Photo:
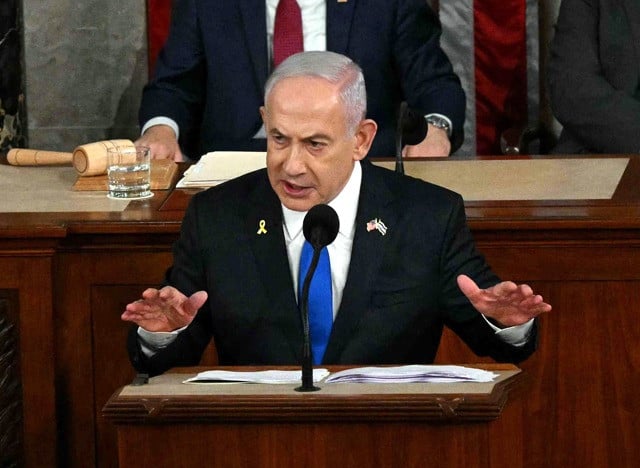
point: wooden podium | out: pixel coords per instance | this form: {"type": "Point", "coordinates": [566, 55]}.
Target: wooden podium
{"type": "Point", "coordinates": [166, 423]}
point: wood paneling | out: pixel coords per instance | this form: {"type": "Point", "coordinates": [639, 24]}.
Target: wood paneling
{"type": "Point", "coordinates": [280, 429]}
{"type": "Point", "coordinates": [25, 278]}
{"type": "Point", "coordinates": [92, 360]}
{"type": "Point", "coordinates": [10, 389]}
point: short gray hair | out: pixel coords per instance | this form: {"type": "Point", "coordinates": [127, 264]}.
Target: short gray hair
{"type": "Point", "coordinates": [334, 68]}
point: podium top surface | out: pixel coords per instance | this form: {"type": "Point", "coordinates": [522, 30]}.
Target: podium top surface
{"type": "Point", "coordinates": [170, 385]}
{"type": "Point", "coordinates": [165, 399]}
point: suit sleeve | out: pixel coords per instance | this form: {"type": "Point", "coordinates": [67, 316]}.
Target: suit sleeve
{"type": "Point", "coordinates": [177, 88]}
{"type": "Point", "coordinates": [426, 74]}
{"type": "Point", "coordinates": [603, 116]}
{"type": "Point", "coordinates": [188, 276]}
{"type": "Point", "coordinates": [460, 256]}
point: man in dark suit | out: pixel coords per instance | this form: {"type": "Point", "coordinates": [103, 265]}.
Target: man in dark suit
{"type": "Point", "coordinates": [403, 264]}
{"type": "Point", "coordinates": [594, 76]}
{"type": "Point", "coordinates": [210, 75]}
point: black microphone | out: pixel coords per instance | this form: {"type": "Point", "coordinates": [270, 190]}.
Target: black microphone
{"type": "Point", "coordinates": [411, 129]}
{"type": "Point", "coordinates": [320, 228]}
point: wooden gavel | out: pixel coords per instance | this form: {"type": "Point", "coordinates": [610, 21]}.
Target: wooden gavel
{"type": "Point", "coordinates": [88, 160]}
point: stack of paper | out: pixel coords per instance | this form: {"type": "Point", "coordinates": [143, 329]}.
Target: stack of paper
{"type": "Point", "coordinates": [411, 374]}
{"type": "Point", "coordinates": [220, 166]}
{"type": "Point", "coordinates": [399, 374]}
{"type": "Point", "coordinates": [267, 376]}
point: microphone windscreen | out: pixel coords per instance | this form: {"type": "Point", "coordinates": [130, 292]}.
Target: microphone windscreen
{"type": "Point", "coordinates": [320, 226]}
{"type": "Point", "coordinates": [414, 127]}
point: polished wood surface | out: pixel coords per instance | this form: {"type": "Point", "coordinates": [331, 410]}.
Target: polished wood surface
{"type": "Point", "coordinates": [167, 399]}
{"type": "Point", "coordinates": [67, 277]}
{"type": "Point", "coordinates": [391, 426]}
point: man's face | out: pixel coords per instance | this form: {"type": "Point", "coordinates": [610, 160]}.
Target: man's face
{"type": "Point", "coordinates": [310, 154]}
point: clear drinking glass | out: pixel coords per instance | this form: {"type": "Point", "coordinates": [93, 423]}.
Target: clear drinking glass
{"type": "Point", "coordinates": [129, 172]}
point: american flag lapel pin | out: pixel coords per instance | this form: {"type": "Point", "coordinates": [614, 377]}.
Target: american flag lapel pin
{"type": "Point", "coordinates": [376, 224]}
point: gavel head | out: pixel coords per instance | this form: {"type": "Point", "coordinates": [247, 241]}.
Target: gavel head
{"type": "Point", "coordinates": [91, 159]}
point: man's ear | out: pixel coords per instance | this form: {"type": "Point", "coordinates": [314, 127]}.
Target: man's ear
{"type": "Point", "coordinates": [263, 114]}
{"type": "Point", "coordinates": [363, 138]}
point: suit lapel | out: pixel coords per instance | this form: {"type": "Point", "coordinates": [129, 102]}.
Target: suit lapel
{"type": "Point", "coordinates": [253, 13]}
{"type": "Point", "coordinates": [272, 262]}
{"type": "Point", "coordinates": [339, 20]}
{"type": "Point", "coordinates": [366, 257]}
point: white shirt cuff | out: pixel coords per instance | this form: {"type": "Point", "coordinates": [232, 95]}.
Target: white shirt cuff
{"type": "Point", "coordinates": [516, 336]}
{"type": "Point", "coordinates": [161, 121]}
{"type": "Point", "coordinates": [152, 342]}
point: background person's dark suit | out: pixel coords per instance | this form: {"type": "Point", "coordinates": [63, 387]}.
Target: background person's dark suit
{"type": "Point", "coordinates": [400, 291]}
{"type": "Point", "coordinates": [214, 65]}
{"type": "Point", "coordinates": [594, 76]}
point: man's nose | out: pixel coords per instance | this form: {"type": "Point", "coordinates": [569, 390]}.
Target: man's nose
{"type": "Point", "coordinates": [295, 163]}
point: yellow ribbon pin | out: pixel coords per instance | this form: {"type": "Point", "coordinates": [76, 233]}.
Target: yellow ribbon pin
{"type": "Point", "coordinates": [261, 225]}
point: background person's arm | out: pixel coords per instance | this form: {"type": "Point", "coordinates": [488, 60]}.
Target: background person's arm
{"type": "Point", "coordinates": [428, 81]}
{"type": "Point", "coordinates": [177, 89]}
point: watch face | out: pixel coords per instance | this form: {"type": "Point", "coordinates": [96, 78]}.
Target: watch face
{"type": "Point", "coordinates": [439, 123]}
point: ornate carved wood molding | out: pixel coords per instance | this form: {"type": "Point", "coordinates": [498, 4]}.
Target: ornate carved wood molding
{"type": "Point", "coordinates": [10, 394]}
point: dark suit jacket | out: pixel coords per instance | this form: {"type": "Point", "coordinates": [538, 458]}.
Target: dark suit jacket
{"type": "Point", "coordinates": [214, 66]}
{"type": "Point", "coordinates": [400, 291]}
{"type": "Point", "coordinates": [594, 76]}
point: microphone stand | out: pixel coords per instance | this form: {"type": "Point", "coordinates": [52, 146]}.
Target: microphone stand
{"type": "Point", "coordinates": [399, 131]}
{"type": "Point", "coordinates": [307, 362]}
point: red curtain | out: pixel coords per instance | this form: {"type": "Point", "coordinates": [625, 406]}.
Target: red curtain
{"type": "Point", "coordinates": [158, 20]}
{"type": "Point", "coordinates": [500, 37]}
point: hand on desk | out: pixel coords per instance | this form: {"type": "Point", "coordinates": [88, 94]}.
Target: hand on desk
{"type": "Point", "coordinates": [436, 144]}
{"type": "Point", "coordinates": [164, 310]}
{"type": "Point", "coordinates": [161, 139]}
{"type": "Point", "coordinates": [507, 303]}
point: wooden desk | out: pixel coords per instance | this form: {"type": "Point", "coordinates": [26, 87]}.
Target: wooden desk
{"type": "Point", "coordinates": [345, 425]}
{"type": "Point", "coordinates": [67, 276]}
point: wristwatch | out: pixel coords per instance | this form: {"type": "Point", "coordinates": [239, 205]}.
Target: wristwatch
{"type": "Point", "coordinates": [439, 122]}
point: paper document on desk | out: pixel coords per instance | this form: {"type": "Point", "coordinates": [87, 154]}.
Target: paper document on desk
{"type": "Point", "coordinates": [412, 374]}
{"type": "Point", "coordinates": [219, 166]}
{"type": "Point", "coordinates": [265, 377]}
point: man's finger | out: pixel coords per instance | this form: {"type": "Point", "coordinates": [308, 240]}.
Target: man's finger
{"type": "Point", "coordinates": [196, 301]}
{"type": "Point", "coordinates": [468, 287]}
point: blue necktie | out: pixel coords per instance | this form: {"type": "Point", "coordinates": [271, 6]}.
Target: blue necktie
{"type": "Point", "coordinates": [320, 300]}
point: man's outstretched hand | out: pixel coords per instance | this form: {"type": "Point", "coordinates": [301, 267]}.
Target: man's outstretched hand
{"type": "Point", "coordinates": [164, 310]}
{"type": "Point", "coordinates": [507, 303]}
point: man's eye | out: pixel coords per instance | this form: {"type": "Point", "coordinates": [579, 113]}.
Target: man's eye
{"type": "Point", "coordinates": [316, 144]}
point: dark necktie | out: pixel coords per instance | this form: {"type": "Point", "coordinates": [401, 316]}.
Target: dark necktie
{"type": "Point", "coordinates": [320, 300]}
{"type": "Point", "coordinates": [287, 31]}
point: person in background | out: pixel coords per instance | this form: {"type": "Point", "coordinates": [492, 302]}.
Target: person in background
{"type": "Point", "coordinates": [403, 264]}
{"type": "Point", "coordinates": [210, 75]}
{"type": "Point", "coordinates": [594, 76]}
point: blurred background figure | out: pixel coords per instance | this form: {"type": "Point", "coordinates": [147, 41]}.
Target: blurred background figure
{"type": "Point", "coordinates": [594, 76]}
{"type": "Point", "coordinates": [210, 74]}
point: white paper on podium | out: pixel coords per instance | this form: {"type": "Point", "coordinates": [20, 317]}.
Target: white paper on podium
{"type": "Point", "coordinates": [219, 166]}
{"type": "Point", "coordinates": [266, 376]}
{"type": "Point", "coordinates": [412, 374]}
